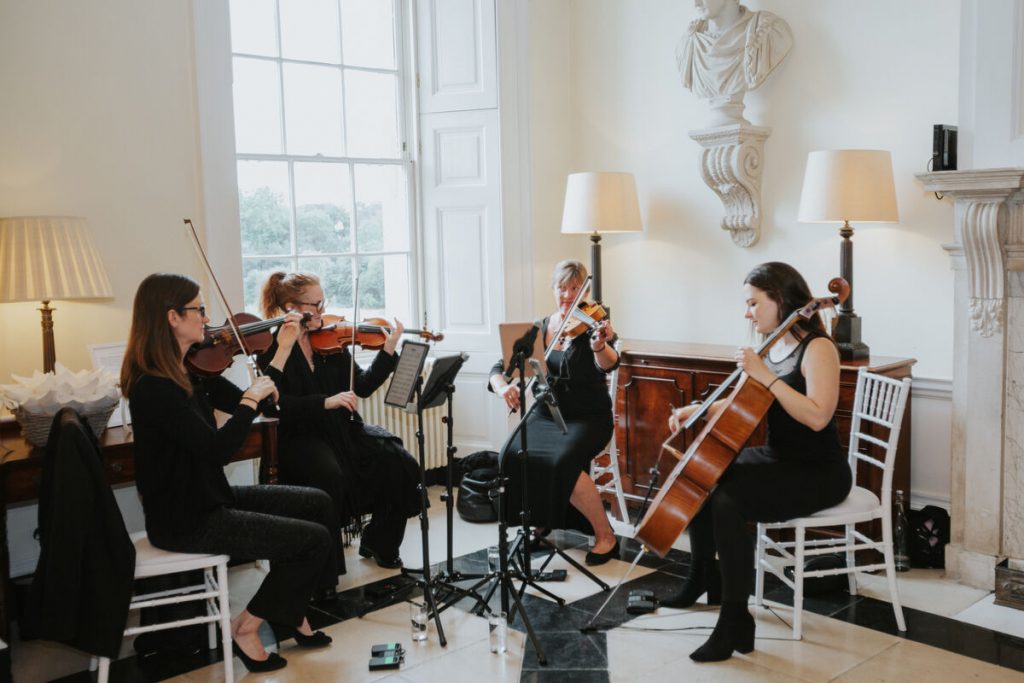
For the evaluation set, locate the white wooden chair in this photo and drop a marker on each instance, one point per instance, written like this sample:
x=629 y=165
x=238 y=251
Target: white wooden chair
x=151 y=561
x=879 y=403
x=618 y=515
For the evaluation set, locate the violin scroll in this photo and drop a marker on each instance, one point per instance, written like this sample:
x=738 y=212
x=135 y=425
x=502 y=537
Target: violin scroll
x=839 y=287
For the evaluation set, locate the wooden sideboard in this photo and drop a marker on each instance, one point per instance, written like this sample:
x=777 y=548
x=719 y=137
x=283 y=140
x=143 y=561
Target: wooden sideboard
x=654 y=376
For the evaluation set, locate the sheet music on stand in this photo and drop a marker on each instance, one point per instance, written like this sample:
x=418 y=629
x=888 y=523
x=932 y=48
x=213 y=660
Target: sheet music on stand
x=407 y=373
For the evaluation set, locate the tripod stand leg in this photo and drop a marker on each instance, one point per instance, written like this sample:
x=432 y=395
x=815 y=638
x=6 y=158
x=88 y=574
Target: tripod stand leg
x=636 y=560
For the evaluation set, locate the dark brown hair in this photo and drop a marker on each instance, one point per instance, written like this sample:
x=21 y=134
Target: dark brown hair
x=152 y=348
x=282 y=288
x=787 y=288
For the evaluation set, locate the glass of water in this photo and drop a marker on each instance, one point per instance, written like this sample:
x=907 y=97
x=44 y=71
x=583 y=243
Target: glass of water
x=497 y=625
x=418 y=620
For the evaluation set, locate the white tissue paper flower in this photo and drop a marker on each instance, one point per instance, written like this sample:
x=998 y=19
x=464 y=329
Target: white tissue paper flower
x=44 y=393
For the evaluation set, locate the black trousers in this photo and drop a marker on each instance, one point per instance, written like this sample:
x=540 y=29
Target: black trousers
x=383 y=484
x=759 y=487
x=287 y=525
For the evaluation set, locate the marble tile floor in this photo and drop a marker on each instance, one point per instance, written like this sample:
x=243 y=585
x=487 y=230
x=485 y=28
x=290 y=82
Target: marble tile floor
x=954 y=633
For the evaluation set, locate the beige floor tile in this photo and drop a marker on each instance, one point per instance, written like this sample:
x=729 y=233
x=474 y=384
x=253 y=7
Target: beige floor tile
x=909 y=661
x=927 y=590
x=987 y=614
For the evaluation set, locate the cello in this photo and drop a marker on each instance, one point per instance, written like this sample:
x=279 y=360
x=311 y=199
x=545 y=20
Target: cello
x=699 y=467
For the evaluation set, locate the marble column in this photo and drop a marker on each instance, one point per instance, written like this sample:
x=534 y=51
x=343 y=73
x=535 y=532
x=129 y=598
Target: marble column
x=987 y=440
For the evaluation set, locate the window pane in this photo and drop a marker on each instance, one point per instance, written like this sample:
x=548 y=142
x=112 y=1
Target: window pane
x=254 y=27
x=254 y=273
x=257 y=106
x=371 y=114
x=384 y=288
x=323 y=214
x=264 y=207
x=368 y=33
x=309 y=30
x=382 y=208
x=312 y=99
x=335 y=273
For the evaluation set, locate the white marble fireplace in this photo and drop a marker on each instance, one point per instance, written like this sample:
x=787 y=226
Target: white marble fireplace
x=987 y=441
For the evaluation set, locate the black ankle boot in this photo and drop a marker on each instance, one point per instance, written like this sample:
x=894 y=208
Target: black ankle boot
x=733 y=632
x=703 y=577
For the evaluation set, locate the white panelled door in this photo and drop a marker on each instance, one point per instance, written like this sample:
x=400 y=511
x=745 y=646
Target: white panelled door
x=460 y=193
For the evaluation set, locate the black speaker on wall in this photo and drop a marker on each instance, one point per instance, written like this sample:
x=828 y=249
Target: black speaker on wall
x=944 y=148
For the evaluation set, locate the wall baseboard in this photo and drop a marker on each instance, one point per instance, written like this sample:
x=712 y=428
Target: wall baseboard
x=932 y=387
x=919 y=499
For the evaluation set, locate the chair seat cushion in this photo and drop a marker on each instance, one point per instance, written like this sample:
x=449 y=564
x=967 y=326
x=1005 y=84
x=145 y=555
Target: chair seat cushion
x=860 y=501
x=150 y=560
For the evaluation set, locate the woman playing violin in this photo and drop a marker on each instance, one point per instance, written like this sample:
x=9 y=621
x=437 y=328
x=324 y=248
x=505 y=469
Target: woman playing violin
x=180 y=455
x=801 y=470
x=561 y=492
x=323 y=440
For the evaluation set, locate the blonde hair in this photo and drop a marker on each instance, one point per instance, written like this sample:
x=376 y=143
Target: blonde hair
x=569 y=270
x=282 y=288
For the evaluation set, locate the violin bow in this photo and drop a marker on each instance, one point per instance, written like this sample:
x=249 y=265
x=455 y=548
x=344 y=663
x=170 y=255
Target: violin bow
x=250 y=363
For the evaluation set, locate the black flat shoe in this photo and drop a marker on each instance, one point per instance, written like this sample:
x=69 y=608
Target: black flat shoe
x=386 y=563
x=538 y=542
x=594 y=559
x=273 y=662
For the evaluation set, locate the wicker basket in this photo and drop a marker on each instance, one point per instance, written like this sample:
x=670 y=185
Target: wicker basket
x=36 y=427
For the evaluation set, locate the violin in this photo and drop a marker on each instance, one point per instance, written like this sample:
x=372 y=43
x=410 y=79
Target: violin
x=336 y=334
x=218 y=349
x=587 y=317
x=700 y=466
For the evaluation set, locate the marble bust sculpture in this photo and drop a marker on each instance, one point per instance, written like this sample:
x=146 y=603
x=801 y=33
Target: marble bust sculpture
x=728 y=50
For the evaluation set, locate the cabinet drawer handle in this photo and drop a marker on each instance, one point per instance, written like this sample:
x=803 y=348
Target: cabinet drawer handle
x=117 y=467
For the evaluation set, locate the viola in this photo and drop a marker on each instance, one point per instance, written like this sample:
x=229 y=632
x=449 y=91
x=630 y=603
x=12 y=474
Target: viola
x=336 y=334
x=586 y=318
x=699 y=467
x=218 y=349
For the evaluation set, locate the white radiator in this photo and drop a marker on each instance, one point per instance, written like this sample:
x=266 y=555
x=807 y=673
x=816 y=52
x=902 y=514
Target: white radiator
x=403 y=425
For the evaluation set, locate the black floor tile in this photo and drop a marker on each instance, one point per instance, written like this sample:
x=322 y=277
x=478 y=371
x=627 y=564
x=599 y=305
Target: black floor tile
x=568 y=651
x=564 y=676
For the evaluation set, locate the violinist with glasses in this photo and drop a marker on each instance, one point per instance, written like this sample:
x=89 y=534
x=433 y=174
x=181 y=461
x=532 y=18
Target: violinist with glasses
x=561 y=493
x=324 y=442
x=180 y=454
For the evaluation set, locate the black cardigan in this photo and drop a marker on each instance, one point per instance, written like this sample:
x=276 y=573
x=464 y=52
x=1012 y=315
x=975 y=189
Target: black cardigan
x=179 y=451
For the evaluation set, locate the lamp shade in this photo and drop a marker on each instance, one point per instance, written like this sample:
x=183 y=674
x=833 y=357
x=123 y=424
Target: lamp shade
x=601 y=202
x=848 y=185
x=48 y=258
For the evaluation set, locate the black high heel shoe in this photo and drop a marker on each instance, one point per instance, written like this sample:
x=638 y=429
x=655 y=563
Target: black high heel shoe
x=385 y=562
x=314 y=640
x=595 y=559
x=703 y=577
x=273 y=662
x=734 y=632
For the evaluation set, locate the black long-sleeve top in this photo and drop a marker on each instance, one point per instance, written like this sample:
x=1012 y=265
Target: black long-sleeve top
x=578 y=382
x=303 y=390
x=179 y=451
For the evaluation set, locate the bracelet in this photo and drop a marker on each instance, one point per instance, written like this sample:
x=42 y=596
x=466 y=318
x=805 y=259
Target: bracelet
x=255 y=403
x=601 y=349
x=770 y=384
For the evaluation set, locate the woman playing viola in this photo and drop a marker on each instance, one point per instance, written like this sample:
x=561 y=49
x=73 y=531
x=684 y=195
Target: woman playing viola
x=561 y=492
x=801 y=470
x=362 y=467
x=180 y=455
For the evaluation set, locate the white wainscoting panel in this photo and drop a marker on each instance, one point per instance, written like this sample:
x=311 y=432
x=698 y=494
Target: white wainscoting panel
x=457 y=55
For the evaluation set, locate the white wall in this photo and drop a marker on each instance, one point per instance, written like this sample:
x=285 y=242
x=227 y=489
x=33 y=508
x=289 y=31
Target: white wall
x=606 y=96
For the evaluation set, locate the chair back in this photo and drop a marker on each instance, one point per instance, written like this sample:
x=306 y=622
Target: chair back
x=878 y=408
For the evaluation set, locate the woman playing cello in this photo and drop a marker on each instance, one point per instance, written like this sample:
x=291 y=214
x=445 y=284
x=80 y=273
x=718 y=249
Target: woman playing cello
x=801 y=470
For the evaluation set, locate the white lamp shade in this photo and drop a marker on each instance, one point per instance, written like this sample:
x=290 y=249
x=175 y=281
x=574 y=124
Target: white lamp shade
x=46 y=258
x=848 y=185
x=601 y=202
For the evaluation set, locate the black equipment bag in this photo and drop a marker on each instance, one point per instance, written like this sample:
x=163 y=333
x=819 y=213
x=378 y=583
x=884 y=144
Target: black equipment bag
x=929 y=534
x=822 y=585
x=474 y=502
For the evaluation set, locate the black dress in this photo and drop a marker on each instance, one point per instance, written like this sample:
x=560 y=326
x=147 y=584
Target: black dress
x=364 y=468
x=555 y=459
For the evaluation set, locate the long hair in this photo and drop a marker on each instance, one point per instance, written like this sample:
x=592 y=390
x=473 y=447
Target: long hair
x=787 y=288
x=282 y=288
x=152 y=348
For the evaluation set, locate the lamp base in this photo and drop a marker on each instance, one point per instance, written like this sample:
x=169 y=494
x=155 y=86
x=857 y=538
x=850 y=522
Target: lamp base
x=846 y=333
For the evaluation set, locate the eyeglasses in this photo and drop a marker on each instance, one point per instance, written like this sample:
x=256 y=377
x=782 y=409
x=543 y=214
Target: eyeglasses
x=201 y=309
x=320 y=306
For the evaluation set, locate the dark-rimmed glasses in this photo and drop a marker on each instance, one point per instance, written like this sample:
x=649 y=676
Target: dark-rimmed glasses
x=201 y=309
x=320 y=306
